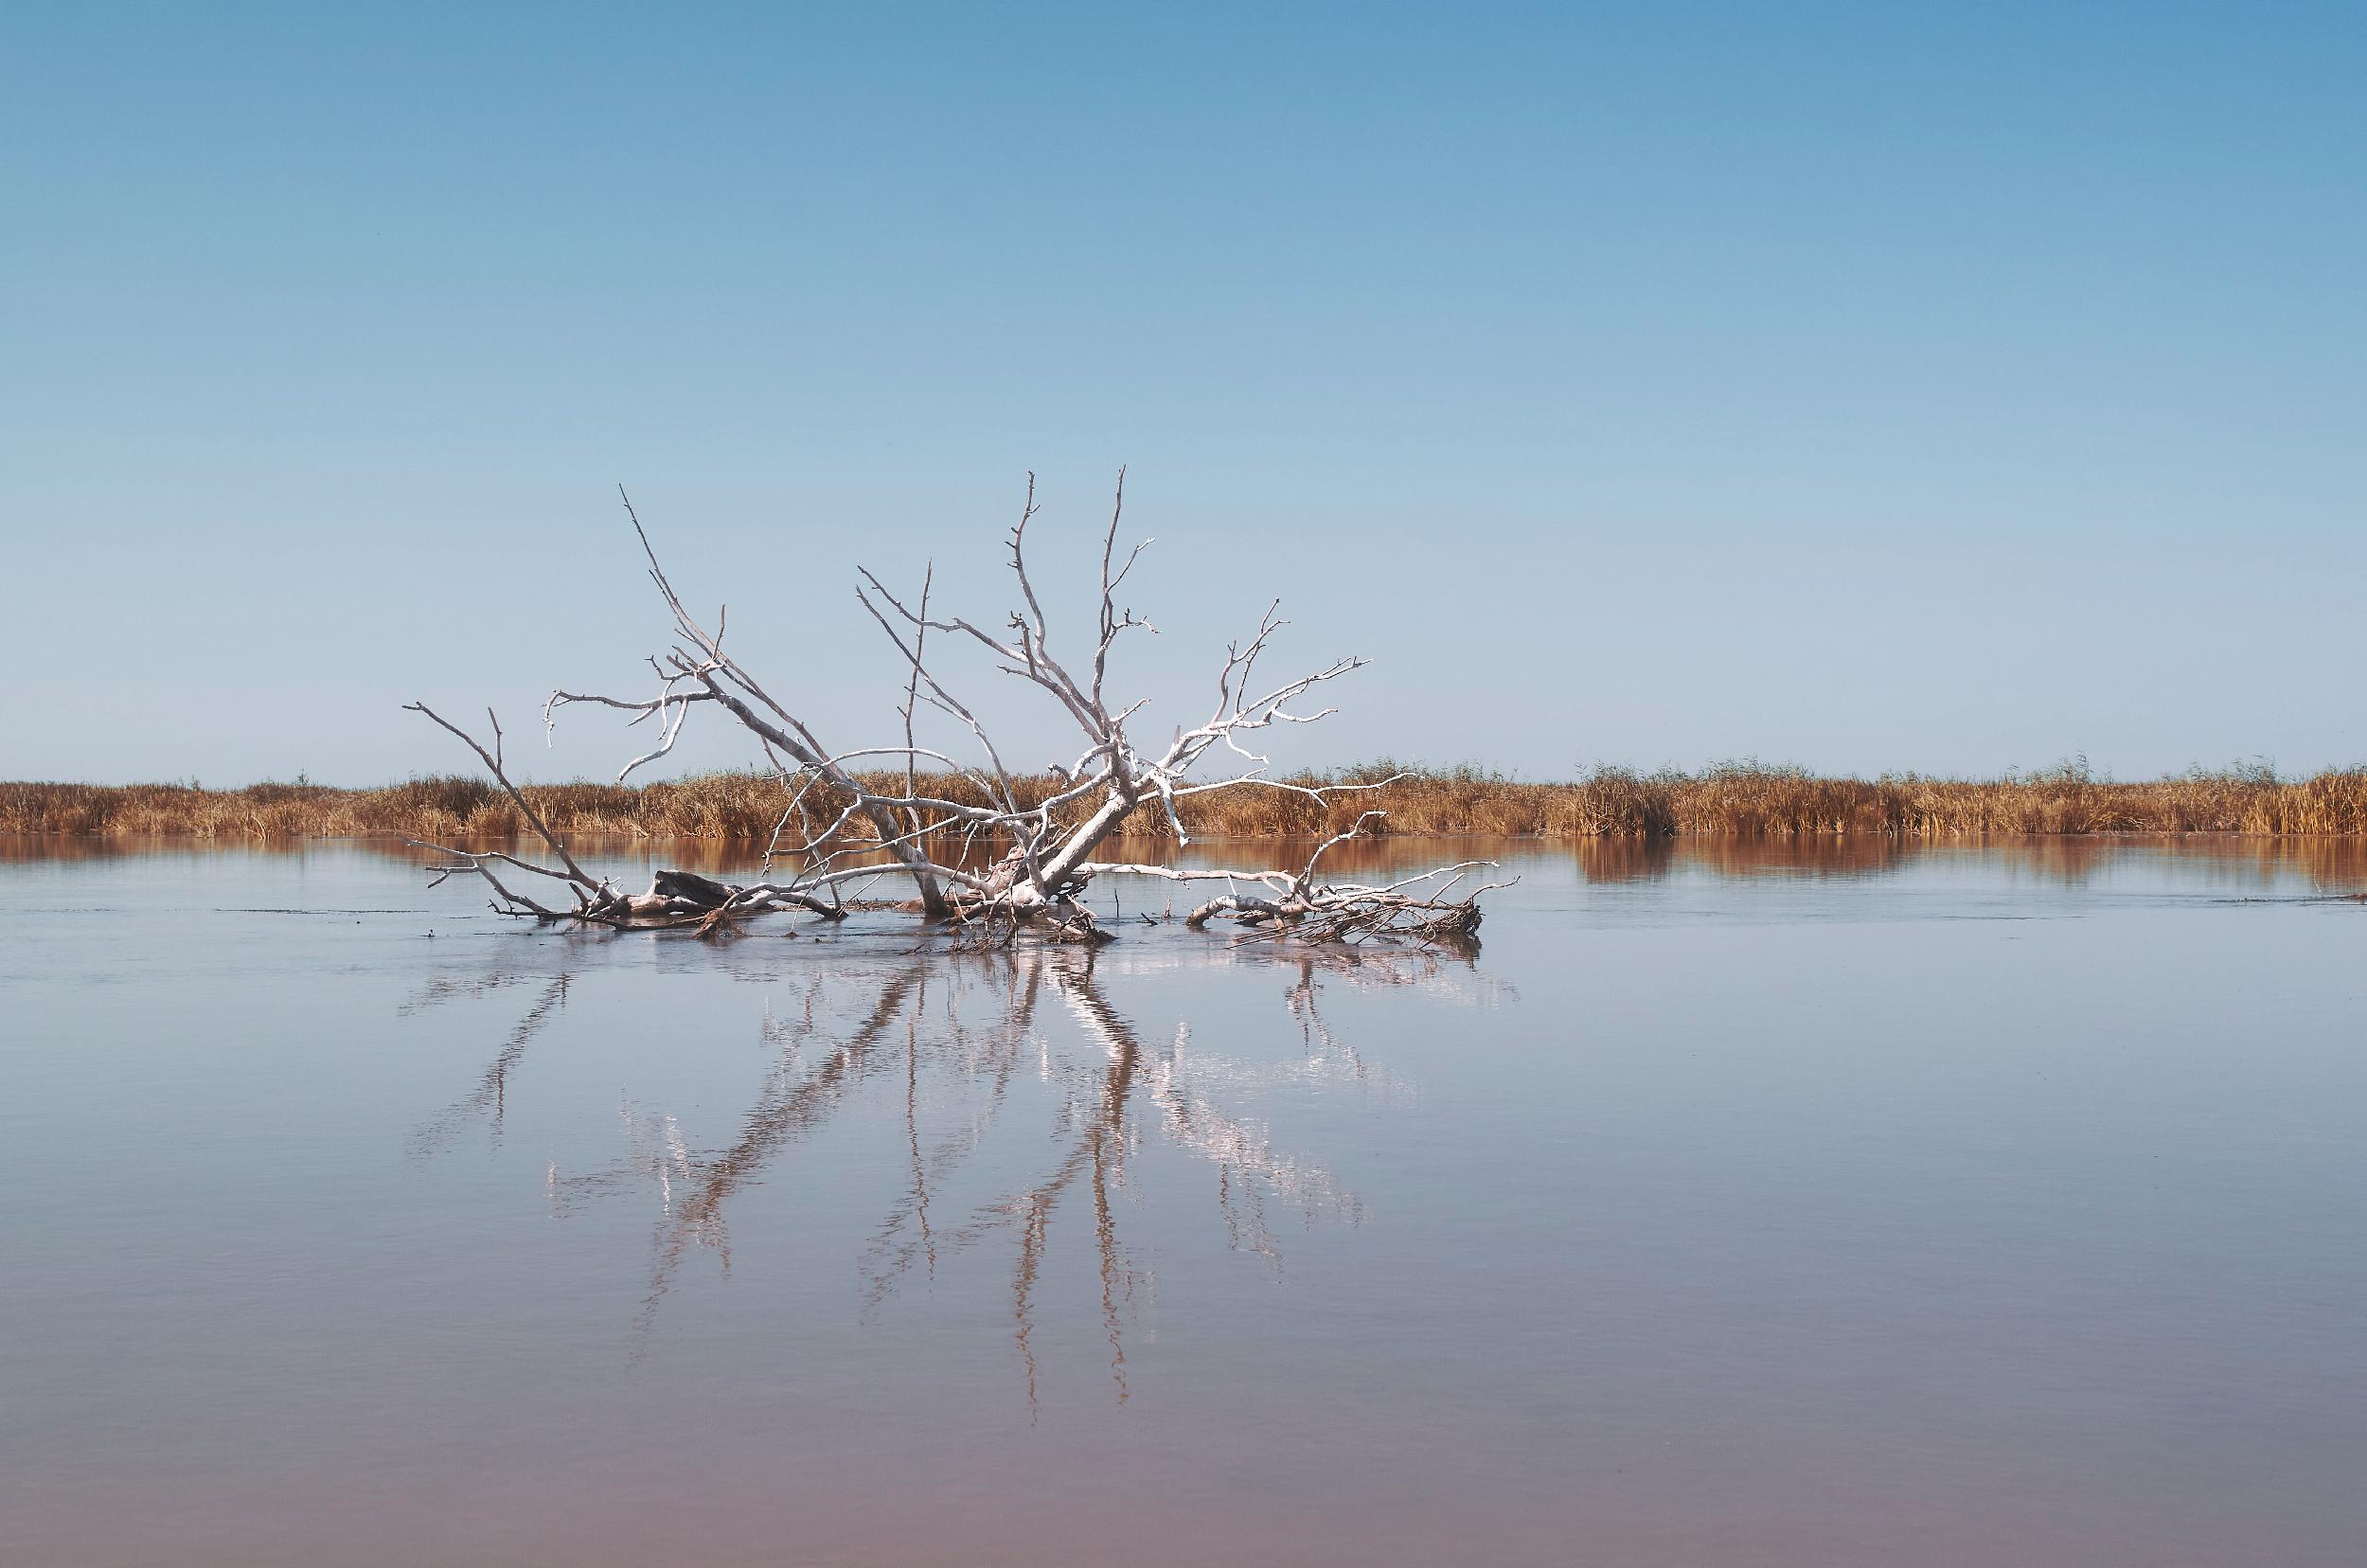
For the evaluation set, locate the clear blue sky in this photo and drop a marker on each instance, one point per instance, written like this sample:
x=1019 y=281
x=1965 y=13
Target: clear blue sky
x=1884 y=386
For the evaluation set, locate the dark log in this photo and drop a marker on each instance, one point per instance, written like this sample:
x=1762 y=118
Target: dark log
x=691 y=888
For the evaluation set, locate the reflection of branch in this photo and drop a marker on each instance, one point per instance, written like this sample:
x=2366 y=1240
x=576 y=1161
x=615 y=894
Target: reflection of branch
x=1238 y=1149
x=439 y=989
x=1102 y=1150
x=1327 y=1054
x=491 y=1090
x=784 y=1113
x=1098 y=1125
x=1450 y=974
x=912 y=1126
x=888 y=1258
x=1246 y=1167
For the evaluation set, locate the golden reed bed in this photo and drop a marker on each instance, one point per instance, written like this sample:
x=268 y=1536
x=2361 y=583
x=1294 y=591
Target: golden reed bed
x=1739 y=800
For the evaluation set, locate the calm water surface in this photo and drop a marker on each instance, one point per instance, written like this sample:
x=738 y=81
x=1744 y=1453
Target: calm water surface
x=1827 y=1205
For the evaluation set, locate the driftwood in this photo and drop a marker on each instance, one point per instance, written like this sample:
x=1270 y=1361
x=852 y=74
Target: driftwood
x=837 y=825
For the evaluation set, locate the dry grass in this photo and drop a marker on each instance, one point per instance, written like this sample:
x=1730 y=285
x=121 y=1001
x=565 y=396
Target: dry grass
x=1736 y=800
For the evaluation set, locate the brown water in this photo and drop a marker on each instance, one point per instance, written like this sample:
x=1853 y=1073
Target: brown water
x=1831 y=1204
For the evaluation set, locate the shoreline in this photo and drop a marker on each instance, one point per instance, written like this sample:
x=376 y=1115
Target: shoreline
x=1737 y=801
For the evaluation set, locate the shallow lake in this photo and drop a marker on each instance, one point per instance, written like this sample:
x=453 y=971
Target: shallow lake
x=1736 y=1203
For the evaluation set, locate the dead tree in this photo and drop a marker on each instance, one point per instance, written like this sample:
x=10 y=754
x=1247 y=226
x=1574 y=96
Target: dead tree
x=851 y=814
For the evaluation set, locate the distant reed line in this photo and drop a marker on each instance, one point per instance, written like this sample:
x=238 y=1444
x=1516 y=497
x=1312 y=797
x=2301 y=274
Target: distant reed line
x=1741 y=800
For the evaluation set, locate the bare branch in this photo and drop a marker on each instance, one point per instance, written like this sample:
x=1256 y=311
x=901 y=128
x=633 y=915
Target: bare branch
x=854 y=825
x=493 y=762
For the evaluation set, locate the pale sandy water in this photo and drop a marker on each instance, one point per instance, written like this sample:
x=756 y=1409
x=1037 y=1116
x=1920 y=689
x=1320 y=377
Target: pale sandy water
x=1736 y=1204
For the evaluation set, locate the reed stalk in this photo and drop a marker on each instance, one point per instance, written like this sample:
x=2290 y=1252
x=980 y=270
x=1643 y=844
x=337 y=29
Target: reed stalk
x=1733 y=800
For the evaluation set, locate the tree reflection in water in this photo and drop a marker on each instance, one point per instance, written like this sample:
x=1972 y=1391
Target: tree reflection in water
x=975 y=1019
x=489 y=1099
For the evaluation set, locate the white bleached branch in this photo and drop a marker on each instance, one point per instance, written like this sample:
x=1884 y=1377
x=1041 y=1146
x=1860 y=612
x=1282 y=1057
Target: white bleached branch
x=880 y=823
